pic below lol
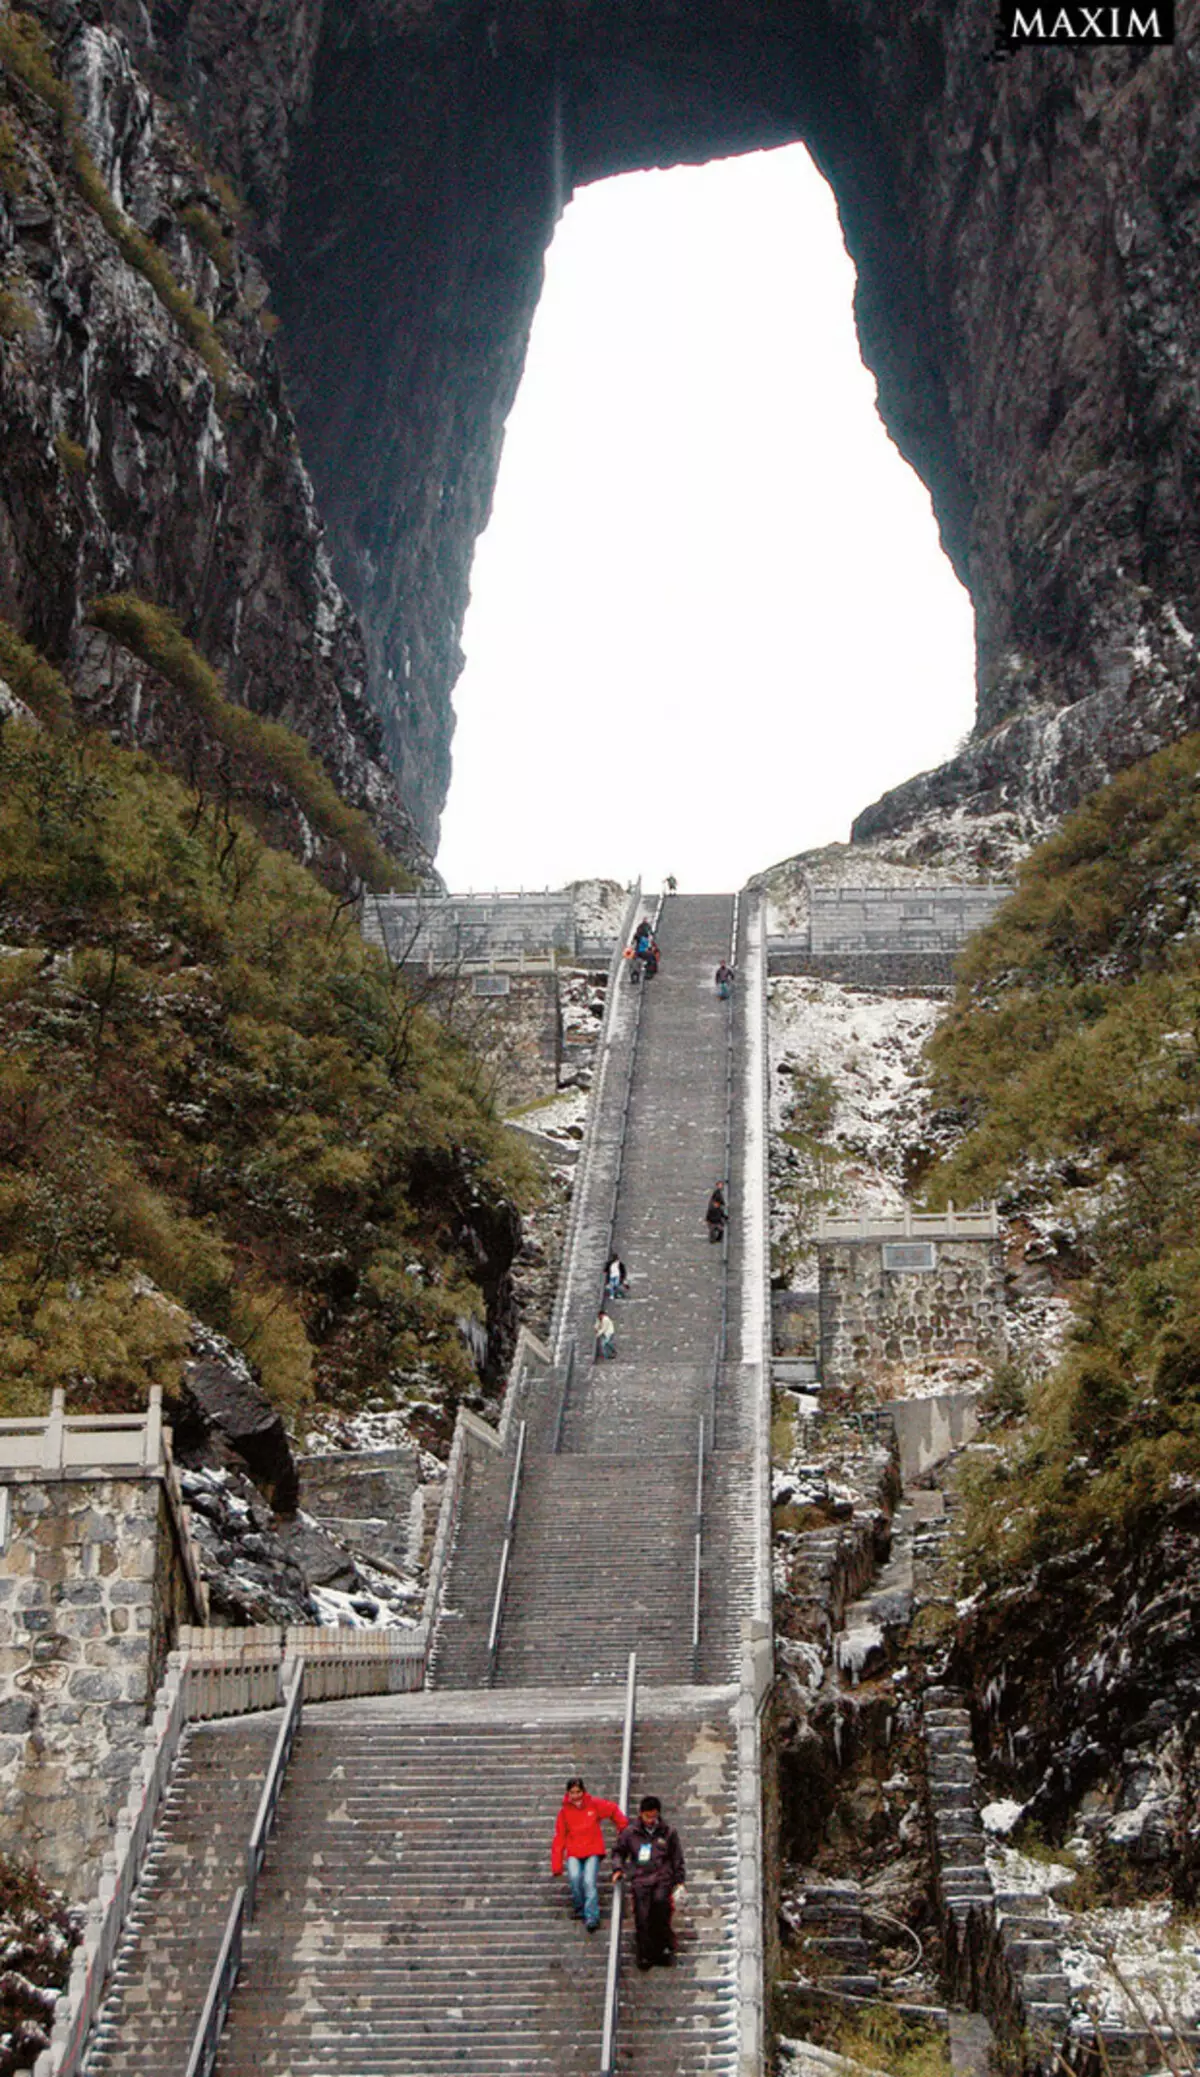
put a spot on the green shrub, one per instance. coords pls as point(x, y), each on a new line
point(216, 1106)
point(1073, 1049)
point(153, 634)
point(72, 456)
point(34, 681)
point(14, 176)
point(207, 232)
point(18, 318)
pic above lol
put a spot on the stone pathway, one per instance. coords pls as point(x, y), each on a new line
point(406, 1919)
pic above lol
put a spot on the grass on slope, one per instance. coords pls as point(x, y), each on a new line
point(1073, 1050)
point(215, 1100)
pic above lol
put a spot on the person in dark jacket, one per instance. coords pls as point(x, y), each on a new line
point(649, 1857)
point(578, 1846)
point(716, 1218)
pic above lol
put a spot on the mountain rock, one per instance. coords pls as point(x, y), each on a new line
point(1025, 247)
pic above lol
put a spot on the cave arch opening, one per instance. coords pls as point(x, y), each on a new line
point(711, 618)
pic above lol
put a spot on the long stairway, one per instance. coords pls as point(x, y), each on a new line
point(407, 1923)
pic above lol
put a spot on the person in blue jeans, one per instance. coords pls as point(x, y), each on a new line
point(578, 1846)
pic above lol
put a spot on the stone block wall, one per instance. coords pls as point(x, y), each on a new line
point(875, 1320)
point(518, 1032)
point(92, 1593)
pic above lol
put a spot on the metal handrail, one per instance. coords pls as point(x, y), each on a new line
point(226, 1969)
point(722, 1339)
point(272, 1789)
point(220, 1991)
point(618, 1171)
point(502, 1576)
point(560, 1417)
point(698, 1533)
point(612, 1981)
point(559, 1309)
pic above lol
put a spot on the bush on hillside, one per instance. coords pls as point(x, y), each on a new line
point(274, 751)
point(1073, 1050)
point(215, 1100)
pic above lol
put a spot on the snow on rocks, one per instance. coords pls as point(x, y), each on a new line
point(854, 1058)
point(869, 1046)
point(1135, 1966)
point(599, 907)
point(1001, 1817)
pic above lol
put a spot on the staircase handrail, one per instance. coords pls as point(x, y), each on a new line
point(698, 1537)
point(227, 1967)
point(510, 1524)
point(564, 1397)
point(587, 1151)
point(626, 1101)
point(226, 1970)
point(612, 1982)
point(722, 1340)
point(272, 1788)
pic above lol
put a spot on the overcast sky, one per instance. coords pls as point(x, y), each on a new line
point(710, 618)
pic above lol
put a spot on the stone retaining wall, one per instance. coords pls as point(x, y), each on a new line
point(925, 973)
point(93, 1590)
point(875, 1319)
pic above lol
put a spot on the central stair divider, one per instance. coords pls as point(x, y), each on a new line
point(505, 1554)
point(699, 1540)
point(612, 1985)
point(229, 1959)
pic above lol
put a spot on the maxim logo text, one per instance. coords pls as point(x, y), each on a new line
point(1019, 24)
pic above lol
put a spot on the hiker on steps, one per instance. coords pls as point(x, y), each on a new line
point(649, 1856)
point(724, 980)
point(616, 1281)
point(716, 1218)
point(606, 1337)
point(578, 1846)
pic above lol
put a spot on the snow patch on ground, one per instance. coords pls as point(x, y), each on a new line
point(868, 1046)
point(806, 2059)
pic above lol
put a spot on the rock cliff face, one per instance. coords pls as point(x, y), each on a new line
point(146, 442)
point(1025, 235)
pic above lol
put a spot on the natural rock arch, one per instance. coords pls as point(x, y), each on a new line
point(1025, 235)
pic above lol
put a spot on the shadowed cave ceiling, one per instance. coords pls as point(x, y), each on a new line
point(1025, 235)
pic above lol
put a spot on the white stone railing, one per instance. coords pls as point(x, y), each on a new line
point(81, 1446)
point(981, 1224)
point(59, 1442)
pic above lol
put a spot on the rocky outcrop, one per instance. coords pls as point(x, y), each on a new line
point(1095, 1725)
point(221, 1417)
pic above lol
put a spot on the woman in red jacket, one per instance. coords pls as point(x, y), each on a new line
point(578, 1846)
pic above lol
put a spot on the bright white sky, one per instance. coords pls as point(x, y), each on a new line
point(710, 618)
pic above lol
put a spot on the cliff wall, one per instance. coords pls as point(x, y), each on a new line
point(1025, 234)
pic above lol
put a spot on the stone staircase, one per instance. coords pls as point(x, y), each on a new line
point(832, 1941)
point(408, 1923)
point(173, 1934)
point(406, 1920)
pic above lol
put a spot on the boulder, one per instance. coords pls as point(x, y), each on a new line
point(221, 1417)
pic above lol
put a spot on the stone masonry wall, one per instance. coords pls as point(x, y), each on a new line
point(518, 1034)
point(873, 1320)
point(92, 1592)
